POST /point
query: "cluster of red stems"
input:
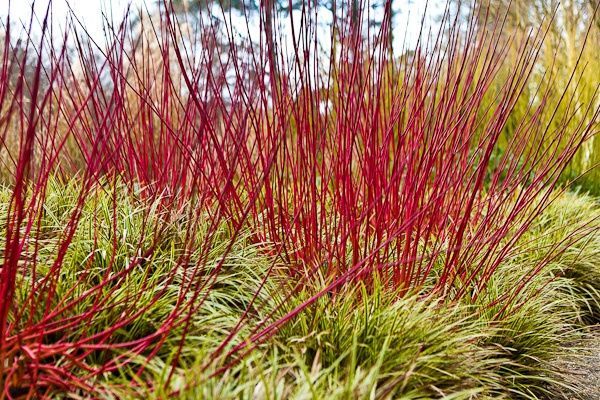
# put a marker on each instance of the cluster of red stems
(349, 161)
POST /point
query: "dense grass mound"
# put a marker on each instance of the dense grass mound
(358, 342)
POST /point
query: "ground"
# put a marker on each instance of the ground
(583, 369)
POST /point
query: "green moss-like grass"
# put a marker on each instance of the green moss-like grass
(355, 343)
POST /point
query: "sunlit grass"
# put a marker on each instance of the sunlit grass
(358, 342)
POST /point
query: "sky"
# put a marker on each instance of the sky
(408, 14)
(89, 12)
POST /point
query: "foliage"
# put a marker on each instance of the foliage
(242, 219)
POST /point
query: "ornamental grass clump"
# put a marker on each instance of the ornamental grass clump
(145, 176)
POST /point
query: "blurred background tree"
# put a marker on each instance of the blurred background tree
(567, 22)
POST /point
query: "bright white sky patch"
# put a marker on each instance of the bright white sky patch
(408, 15)
(89, 12)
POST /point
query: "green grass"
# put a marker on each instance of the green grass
(357, 343)
(579, 265)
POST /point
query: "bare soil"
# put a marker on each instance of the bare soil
(582, 369)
